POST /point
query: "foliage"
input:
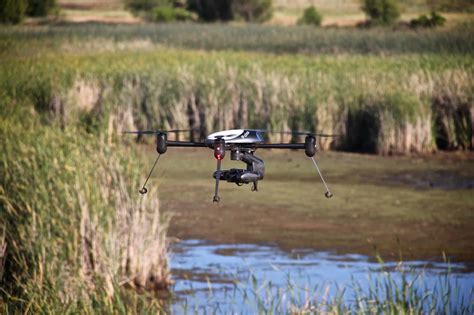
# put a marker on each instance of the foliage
(226, 10)
(170, 14)
(381, 12)
(40, 7)
(12, 11)
(252, 10)
(161, 11)
(212, 10)
(311, 17)
(137, 6)
(428, 21)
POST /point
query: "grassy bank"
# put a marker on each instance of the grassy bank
(75, 233)
(395, 103)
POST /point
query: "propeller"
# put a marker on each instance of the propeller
(155, 132)
(299, 133)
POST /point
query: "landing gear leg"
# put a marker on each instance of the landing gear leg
(216, 197)
(328, 193)
(144, 190)
(254, 186)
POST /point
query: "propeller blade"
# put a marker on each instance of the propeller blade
(142, 132)
(154, 132)
(324, 135)
(299, 133)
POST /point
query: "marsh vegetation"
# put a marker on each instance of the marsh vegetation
(75, 236)
(381, 95)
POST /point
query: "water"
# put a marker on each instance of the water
(248, 278)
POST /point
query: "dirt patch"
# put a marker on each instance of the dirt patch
(432, 180)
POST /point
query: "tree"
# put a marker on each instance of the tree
(226, 10)
(311, 17)
(40, 7)
(381, 12)
(12, 11)
(212, 10)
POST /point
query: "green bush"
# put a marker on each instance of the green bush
(428, 21)
(381, 12)
(310, 17)
(12, 11)
(170, 14)
(184, 15)
(163, 14)
(40, 7)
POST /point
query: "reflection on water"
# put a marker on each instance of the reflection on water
(228, 277)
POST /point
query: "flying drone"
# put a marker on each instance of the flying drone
(242, 144)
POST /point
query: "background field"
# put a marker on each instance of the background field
(70, 86)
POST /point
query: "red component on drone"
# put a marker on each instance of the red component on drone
(219, 149)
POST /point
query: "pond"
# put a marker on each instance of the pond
(250, 278)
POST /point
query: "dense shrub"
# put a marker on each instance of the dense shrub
(226, 10)
(432, 20)
(310, 17)
(40, 7)
(381, 12)
(212, 10)
(12, 11)
(160, 10)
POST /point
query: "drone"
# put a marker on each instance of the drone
(242, 144)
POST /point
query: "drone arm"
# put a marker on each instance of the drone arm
(281, 146)
(185, 144)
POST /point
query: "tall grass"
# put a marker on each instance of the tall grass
(382, 104)
(76, 234)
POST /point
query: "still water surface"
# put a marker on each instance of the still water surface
(249, 278)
